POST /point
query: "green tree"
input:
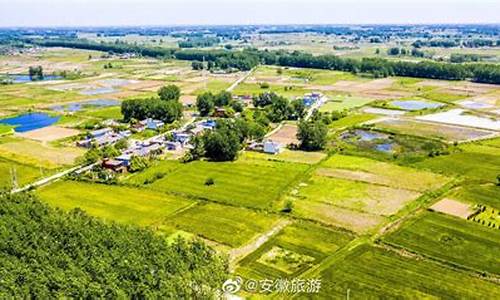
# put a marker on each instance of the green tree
(222, 143)
(169, 92)
(312, 135)
(197, 65)
(205, 103)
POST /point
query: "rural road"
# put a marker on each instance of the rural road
(51, 178)
(240, 80)
(238, 254)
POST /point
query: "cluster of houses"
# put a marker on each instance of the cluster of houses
(311, 98)
(103, 137)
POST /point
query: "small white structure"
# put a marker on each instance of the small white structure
(272, 147)
(154, 124)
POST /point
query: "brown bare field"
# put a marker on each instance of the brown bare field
(35, 153)
(48, 134)
(188, 99)
(469, 88)
(427, 129)
(356, 221)
(384, 94)
(453, 208)
(433, 83)
(493, 99)
(286, 135)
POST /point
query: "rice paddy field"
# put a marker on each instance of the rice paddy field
(372, 272)
(450, 239)
(354, 215)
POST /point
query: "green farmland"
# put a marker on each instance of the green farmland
(370, 273)
(245, 182)
(451, 239)
(113, 203)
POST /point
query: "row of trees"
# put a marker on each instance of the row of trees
(165, 107)
(248, 58)
(207, 102)
(279, 108)
(47, 254)
(35, 73)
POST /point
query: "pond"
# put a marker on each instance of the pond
(30, 121)
(415, 104)
(72, 107)
(369, 135)
(386, 147)
(20, 78)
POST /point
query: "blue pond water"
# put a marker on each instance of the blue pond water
(369, 136)
(19, 78)
(415, 104)
(30, 121)
(80, 105)
(387, 147)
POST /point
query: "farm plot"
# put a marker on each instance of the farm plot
(245, 182)
(472, 161)
(113, 203)
(295, 249)
(460, 117)
(37, 154)
(453, 208)
(230, 226)
(370, 273)
(286, 135)
(351, 120)
(486, 194)
(49, 133)
(22, 174)
(442, 131)
(359, 193)
(451, 239)
(338, 103)
(373, 171)
(286, 155)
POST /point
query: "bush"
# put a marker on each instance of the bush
(209, 181)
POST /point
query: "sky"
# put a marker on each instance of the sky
(212, 12)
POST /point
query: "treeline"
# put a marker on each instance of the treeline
(198, 42)
(449, 43)
(248, 58)
(166, 107)
(47, 254)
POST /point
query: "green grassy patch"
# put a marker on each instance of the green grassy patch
(371, 273)
(486, 194)
(227, 225)
(303, 240)
(343, 102)
(113, 203)
(22, 173)
(245, 182)
(451, 239)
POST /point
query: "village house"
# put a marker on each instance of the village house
(115, 165)
(272, 147)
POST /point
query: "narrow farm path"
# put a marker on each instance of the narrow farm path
(240, 80)
(238, 254)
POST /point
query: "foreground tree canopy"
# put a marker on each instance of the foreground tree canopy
(46, 254)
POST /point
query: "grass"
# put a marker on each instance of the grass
(113, 203)
(340, 103)
(473, 161)
(226, 225)
(370, 273)
(5, 129)
(158, 170)
(385, 173)
(486, 194)
(245, 182)
(37, 154)
(23, 172)
(302, 239)
(286, 155)
(105, 113)
(451, 239)
(354, 195)
(351, 120)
